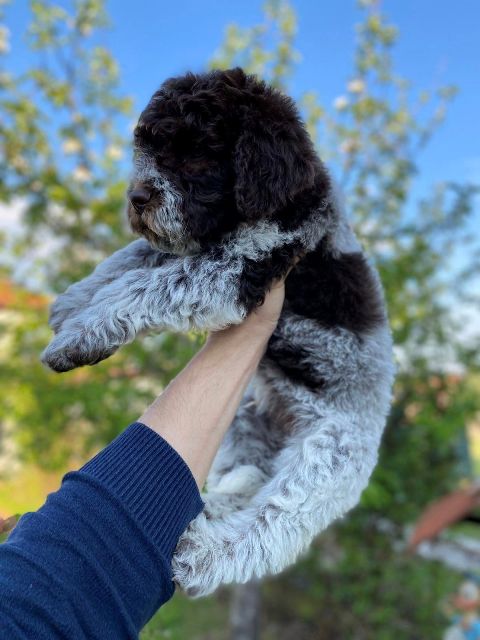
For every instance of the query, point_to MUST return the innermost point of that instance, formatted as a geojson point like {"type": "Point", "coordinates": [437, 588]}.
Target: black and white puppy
{"type": "Point", "coordinates": [227, 190]}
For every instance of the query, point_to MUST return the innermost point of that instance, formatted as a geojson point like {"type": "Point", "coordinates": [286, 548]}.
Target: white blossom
{"type": "Point", "coordinates": [341, 103]}
{"type": "Point", "coordinates": [71, 145]}
{"type": "Point", "coordinates": [4, 39]}
{"type": "Point", "coordinates": [114, 152]}
{"type": "Point", "coordinates": [81, 174]}
{"type": "Point", "coordinates": [356, 86]}
{"type": "Point", "coordinates": [348, 146]}
{"type": "Point", "coordinates": [20, 164]}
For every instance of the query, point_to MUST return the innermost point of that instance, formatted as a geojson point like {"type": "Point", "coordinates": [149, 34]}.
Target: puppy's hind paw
{"type": "Point", "coordinates": [197, 562]}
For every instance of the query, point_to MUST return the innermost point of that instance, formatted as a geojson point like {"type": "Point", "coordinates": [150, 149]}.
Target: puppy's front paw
{"type": "Point", "coordinates": [59, 312]}
{"type": "Point", "coordinates": [70, 350]}
{"type": "Point", "coordinates": [66, 307]}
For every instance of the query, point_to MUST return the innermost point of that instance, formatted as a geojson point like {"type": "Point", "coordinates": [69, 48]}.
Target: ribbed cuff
{"type": "Point", "coordinates": [151, 480]}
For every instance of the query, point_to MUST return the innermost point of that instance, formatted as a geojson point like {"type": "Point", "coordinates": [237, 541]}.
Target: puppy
{"type": "Point", "coordinates": [227, 191]}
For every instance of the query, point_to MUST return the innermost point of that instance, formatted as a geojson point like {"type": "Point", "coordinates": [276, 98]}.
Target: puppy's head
{"type": "Point", "coordinates": [211, 152]}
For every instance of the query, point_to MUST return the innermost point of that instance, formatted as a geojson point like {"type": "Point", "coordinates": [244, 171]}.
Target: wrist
{"type": "Point", "coordinates": [252, 334]}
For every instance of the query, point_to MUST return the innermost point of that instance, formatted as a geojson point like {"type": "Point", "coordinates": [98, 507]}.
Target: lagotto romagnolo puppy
{"type": "Point", "coordinates": [227, 191]}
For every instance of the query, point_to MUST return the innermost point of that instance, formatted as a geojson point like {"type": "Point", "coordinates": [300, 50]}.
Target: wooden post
{"type": "Point", "coordinates": [245, 608]}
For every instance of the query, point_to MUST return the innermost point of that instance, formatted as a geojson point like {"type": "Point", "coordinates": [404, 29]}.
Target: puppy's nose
{"type": "Point", "coordinates": [139, 198]}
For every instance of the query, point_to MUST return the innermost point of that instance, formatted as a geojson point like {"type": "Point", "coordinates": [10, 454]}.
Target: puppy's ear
{"type": "Point", "coordinates": [272, 163]}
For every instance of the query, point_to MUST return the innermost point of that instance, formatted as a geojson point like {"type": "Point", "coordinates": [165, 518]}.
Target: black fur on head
{"type": "Point", "coordinates": [234, 150]}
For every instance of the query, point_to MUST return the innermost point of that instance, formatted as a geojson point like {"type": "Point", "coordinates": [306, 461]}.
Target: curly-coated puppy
{"type": "Point", "coordinates": [227, 191]}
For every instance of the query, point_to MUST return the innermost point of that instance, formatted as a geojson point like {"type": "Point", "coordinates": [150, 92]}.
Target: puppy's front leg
{"type": "Point", "coordinates": [199, 292]}
{"type": "Point", "coordinates": [78, 296]}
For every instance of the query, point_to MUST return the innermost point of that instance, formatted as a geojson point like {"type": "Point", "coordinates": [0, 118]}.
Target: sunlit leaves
{"type": "Point", "coordinates": [266, 49]}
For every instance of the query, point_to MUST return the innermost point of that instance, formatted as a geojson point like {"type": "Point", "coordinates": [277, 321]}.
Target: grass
{"type": "Point", "coordinates": [26, 490]}
{"type": "Point", "coordinates": [204, 619]}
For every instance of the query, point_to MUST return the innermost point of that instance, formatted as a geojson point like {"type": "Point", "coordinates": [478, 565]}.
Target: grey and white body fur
{"type": "Point", "coordinates": [305, 439]}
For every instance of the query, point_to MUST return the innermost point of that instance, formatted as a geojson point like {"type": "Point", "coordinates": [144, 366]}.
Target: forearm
{"type": "Point", "coordinates": [195, 410]}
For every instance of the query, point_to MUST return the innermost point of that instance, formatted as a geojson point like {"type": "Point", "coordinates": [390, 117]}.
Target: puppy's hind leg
{"type": "Point", "coordinates": [317, 476]}
{"type": "Point", "coordinates": [244, 461]}
{"type": "Point", "coordinates": [317, 479]}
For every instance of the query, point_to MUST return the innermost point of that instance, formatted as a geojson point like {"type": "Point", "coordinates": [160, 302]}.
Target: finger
{"type": "Point", "coordinates": [296, 260]}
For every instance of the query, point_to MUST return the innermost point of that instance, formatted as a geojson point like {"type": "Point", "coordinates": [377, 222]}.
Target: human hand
{"type": "Point", "coordinates": [263, 320]}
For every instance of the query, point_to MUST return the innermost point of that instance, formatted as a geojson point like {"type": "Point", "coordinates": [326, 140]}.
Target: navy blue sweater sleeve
{"type": "Point", "coordinates": [94, 560]}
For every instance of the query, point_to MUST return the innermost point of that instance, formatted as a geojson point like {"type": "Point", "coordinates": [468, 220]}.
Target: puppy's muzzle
{"type": "Point", "coordinates": [140, 197]}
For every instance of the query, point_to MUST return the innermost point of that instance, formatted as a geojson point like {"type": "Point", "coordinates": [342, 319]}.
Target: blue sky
{"type": "Point", "coordinates": [439, 44]}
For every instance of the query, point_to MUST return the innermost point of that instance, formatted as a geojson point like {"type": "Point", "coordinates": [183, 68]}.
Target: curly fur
{"type": "Point", "coordinates": [236, 193]}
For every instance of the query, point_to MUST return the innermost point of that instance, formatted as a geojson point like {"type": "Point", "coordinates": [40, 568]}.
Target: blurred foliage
{"type": "Point", "coordinates": [362, 591]}
{"type": "Point", "coordinates": [266, 49]}
{"type": "Point", "coordinates": [63, 140]}
{"type": "Point", "coordinates": [63, 134]}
